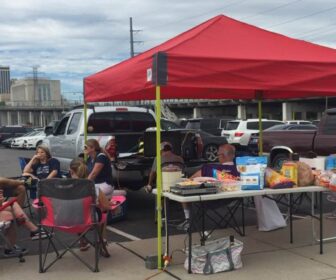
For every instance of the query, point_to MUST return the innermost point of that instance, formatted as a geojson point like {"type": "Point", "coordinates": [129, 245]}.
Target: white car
{"type": "Point", "coordinates": [18, 141]}
{"type": "Point", "coordinates": [239, 131]}
{"type": "Point", "coordinates": [32, 141]}
{"type": "Point", "coordinates": [28, 140]}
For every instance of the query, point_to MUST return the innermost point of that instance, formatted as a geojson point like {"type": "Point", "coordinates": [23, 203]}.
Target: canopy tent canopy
{"type": "Point", "coordinates": [222, 58]}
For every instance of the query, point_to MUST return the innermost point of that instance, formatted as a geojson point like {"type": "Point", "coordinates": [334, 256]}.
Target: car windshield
{"type": "Point", "coordinates": [231, 125]}
{"type": "Point", "coordinates": [168, 125]}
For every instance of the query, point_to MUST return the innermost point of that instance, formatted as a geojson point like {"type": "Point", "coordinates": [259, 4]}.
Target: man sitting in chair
{"type": "Point", "coordinates": [167, 157]}
{"type": "Point", "coordinates": [226, 154]}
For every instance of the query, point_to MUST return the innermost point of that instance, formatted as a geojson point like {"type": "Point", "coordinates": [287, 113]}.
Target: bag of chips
{"type": "Point", "coordinates": [274, 180]}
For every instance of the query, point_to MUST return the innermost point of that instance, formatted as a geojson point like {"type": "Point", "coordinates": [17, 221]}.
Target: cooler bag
{"type": "Point", "coordinates": [216, 256]}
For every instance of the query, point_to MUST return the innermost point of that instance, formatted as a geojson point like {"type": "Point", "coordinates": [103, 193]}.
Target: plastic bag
{"type": "Point", "coordinates": [268, 214]}
{"type": "Point", "coordinates": [305, 174]}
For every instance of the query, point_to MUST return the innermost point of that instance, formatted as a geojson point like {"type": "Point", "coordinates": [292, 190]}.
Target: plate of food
{"type": "Point", "coordinates": [188, 183]}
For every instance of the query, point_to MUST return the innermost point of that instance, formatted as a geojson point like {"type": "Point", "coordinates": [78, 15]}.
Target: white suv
{"type": "Point", "coordinates": [239, 131]}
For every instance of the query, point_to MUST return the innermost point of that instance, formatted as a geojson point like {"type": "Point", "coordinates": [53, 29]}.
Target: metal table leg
{"type": "Point", "coordinates": [291, 217]}
{"type": "Point", "coordinates": [243, 216]}
{"type": "Point", "coordinates": [190, 236]}
{"type": "Point", "coordinates": [321, 224]}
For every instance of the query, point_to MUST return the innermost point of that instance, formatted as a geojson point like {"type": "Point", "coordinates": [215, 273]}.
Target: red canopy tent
{"type": "Point", "coordinates": [220, 58]}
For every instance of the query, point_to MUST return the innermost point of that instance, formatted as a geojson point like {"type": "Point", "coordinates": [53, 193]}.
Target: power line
{"type": "Point", "coordinates": [271, 9]}
{"type": "Point", "coordinates": [200, 15]}
{"type": "Point", "coordinates": [306, 16]}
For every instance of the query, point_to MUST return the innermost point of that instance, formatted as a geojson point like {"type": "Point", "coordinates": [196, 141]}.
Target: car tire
{"type": "Point", "coordinates": [278, 160]}
{"type": "Point", "coordinates": [39, 143]}
{"type": "Point", "coordinates": [210, 152]}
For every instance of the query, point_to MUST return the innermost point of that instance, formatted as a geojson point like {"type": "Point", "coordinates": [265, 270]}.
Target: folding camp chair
{"type": "Point", "coordinates": [4, 226]}
{"type": "Point", "coordinates": [69, 205]}
{"type": "Point", "coordinates": [31, 189]}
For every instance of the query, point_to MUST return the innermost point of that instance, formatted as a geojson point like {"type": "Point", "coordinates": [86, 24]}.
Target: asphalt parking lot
{"type": "Point", "coordinates": [140, 220]}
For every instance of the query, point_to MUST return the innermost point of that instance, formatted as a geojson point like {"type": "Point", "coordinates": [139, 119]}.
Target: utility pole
{"type": "Point", "coordinates": [132, 42]}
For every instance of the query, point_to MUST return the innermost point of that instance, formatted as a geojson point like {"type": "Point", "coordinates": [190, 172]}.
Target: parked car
{"type": "Point", "coordinates": [213, 126]}
{"type": "Point", "coordinates": [279, 144]}
{"type": "Point", "coordinates": [239, 131]}
{"type": "Point", "coordinates": [298, 122]}
{"type": "Point", "coordinates": [34, 140]}
{"type": "Point", "coordinates": [13, 131]}
{"type": "Point", "coordinates": [7, 143]}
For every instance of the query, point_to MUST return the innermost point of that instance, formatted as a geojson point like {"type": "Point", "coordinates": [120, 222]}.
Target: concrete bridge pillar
{"type": "Point", "coordinates": [41, 119]}
{"type": "Point", "coordinates": [31, 117]}
{"type": "Point", "coordinates": [287, 111]}
{"type": "Point", "coordinates": [9, 118]}
{"type": "Point", "coordinates": [196, 112]}
{"type": "Point", "coordinates": [19, 118]}
{"type": "Point", "coordinates": [241, 112]}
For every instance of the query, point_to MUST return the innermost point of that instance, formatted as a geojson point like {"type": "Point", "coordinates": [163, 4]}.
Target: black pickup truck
{"type": "Point", "coordinates": [132, 172]}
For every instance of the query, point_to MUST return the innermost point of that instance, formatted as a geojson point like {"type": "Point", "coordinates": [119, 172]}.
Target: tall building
{"type": "Point", "coordinates": [36, 92]}
{"type": "Point", "coordinates": [4, 83]}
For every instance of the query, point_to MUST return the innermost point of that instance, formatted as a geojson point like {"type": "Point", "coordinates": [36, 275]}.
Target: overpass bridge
{"type": "Point", "coordinates": [308, 108]}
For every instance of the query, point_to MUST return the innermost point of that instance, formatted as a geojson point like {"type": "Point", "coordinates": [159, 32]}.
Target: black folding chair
{"type": "Point", "coordinates": [69, 205]}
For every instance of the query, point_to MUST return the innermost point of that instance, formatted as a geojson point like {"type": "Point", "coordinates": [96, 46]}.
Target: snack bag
{"type": "Point", "coordinates": [274, 180]}
{"type": "Point", "coordinates": [252, 172]}
{"type": "Point", "coordinates": [222, 175]}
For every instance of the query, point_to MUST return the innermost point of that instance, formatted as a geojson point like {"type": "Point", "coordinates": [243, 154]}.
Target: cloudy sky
{"type": "Point", "coordinates": [71, 39]}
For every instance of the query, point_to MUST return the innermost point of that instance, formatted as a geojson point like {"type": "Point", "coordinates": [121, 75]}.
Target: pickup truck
{"type": "Point", "coordinates": [279, 144]}
{"type": "Point", "coordinates": [120, 127]}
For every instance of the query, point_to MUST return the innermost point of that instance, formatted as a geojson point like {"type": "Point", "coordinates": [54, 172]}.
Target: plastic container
{"type": "Point", "coordinates": [289, 169]}
{"type": "Point", "coordinates": [330, 162]}
{"type": "Point", "coordinates": [119, 213]}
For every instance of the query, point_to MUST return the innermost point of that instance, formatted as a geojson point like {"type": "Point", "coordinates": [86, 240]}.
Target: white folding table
{"type": "Point", "coordinates": [242, 194]}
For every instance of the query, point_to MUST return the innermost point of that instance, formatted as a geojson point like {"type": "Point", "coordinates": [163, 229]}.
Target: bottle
{"type": "Point", "coordinates": [330, 162]}
{"type": "Point", "coordinates": [289, 168]}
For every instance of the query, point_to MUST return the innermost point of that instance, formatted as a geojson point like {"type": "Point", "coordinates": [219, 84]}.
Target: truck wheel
{"type": "Point", "coordinates": [278, 160]}
{"type": "Point", "coordinates": [210, 152]}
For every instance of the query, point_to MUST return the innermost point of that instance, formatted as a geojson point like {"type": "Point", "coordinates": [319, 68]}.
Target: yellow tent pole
{"type": "Point", "coordinates": [85, 127]}
{"type": "Point", "coordinates": [260, 143]}
{"type": "Point", "coordinates": [158, 174]}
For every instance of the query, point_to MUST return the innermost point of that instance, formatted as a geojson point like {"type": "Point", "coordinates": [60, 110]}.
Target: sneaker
{"type": "Point", "coordinates": [184, 226]}
{"type": "Point", "coordinates": [35, 235]}
{"type": "Point", "coordinates": [15, 252]}
{"type": "Point", "coordinates": [84, 245]}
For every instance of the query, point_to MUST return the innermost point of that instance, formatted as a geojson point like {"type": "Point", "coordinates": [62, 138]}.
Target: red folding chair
{"type": "Point", "coordinates": [69, 205]}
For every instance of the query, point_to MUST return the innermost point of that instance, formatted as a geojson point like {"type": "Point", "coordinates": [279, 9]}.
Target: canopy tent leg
{"type": "Point", "coordinates": [85, 127]}
{"type": "Point", "coordinates": [260, 142]}
{"type": "Point", "coordinates": [158, 174]}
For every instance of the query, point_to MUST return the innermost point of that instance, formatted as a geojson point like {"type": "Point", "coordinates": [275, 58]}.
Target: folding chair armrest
{"type": "Point", "coordinates": [8, 203]}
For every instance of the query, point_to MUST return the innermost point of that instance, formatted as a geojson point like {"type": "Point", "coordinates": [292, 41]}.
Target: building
{"type": "Point", "coordinates": [36, 92]}
{"type": "Point", "coordinates": [4, 83]}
